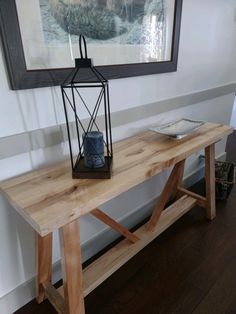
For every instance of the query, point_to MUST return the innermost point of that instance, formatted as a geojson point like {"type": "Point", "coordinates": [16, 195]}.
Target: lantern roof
{"type": "Point", "coordinates": [84, 71]}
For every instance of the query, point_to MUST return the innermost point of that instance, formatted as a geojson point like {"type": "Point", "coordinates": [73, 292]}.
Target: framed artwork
{"type": "Point", "coordinates": [125, 38]}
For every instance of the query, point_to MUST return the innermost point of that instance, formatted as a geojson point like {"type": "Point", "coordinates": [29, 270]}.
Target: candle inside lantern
{"type": "Point", "coordinates": [93, 149]}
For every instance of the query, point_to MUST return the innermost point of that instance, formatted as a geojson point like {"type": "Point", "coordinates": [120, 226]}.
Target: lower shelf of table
{"type": "Point", "coordinates": [108, 263]}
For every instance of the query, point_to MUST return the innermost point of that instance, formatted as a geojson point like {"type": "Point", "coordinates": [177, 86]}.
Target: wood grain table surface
{"type": "Point", "coordinates": [49, 198]}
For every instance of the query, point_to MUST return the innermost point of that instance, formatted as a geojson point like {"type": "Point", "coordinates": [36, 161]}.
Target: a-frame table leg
{"type": "Point", "coordinates": [44, 264]}
{"type": "Point", "coordinates": [210, 181]}
{"type": "Point", "coordinates": [176, 193]}
{"type": "Point", "coordinates": [171, 185]}
{"type": "Point", "coordinates": [72, 268]}
{"type": "Point", "coordinates": [114, 224]}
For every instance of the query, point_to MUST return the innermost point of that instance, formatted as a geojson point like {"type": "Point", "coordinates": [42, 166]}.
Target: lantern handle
{"type": "Point", "coordinates": [81, 37]}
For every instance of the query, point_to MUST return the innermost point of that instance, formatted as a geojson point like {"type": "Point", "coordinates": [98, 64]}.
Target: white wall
{"type": "Point", "coordinates": [206, 60]}
{"type": "Point", "coordinates": [233, 116]}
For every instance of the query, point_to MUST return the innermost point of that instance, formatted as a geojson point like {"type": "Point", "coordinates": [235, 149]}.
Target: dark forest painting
{"type": "Point", "coordinates": [125, 38]}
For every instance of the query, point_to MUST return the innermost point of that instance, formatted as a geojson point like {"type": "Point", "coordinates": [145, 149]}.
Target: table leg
{"type": "Point", "coordinates": [210, 181]}
{"type": "Point", "coordinates": [114, 225]}
{"type": "Point", "coordinates": [177, 194]}
{"type": "Point", "coordinates": [44, 264]}
{"type": "Point", "coordinates": [72, 268]}
{"type": "Point", "coordinates": [171, 185]}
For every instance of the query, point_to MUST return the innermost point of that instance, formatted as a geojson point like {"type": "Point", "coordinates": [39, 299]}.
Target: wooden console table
{"type": "Point", "coordinates": [50, 199]}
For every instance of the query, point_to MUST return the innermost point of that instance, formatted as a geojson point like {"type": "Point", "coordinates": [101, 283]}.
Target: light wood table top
{"type": "Point", "coordinates": [49, 198]}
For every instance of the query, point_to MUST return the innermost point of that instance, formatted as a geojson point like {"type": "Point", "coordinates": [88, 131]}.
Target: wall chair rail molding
{"type": "Point", "coordinates": [47, 137]}
{"type": "Point", "coordinates": [35, 58]}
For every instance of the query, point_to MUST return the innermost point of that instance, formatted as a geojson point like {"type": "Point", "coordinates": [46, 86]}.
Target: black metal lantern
{"type": "Point", "coordinates": [90, 140]}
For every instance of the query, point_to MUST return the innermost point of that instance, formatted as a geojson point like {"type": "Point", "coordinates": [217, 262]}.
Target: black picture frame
{"type": "Point", "coordinates": [21, 78]}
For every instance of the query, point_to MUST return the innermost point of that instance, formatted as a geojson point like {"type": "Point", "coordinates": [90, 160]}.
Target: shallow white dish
{"type": "Point", "coordinates": [178, 129]}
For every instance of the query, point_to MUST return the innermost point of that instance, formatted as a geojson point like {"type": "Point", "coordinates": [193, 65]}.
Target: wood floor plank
{"type": "Point", "coordinates": [222, 293]}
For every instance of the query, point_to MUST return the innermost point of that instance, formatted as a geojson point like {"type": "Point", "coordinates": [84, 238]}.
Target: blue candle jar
{"type": "Point", "coordinates": [93, 149]}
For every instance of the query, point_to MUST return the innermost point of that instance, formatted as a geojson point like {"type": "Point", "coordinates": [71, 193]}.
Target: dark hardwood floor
{"type": "Point", "coordinates": [190, 268]}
